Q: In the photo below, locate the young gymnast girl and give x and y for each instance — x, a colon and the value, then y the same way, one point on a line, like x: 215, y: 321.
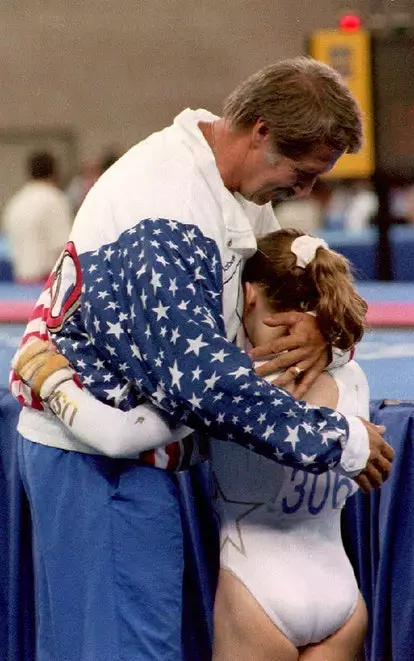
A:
x: 286, y: 589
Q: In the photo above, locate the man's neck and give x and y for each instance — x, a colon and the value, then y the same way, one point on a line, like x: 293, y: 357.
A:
x: 229, y: 150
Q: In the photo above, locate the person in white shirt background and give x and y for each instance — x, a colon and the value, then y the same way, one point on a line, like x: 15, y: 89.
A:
x: 37, y: 221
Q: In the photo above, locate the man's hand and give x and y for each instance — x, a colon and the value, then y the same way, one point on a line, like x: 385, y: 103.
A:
x: 305, y: 352
x: 380, y: 458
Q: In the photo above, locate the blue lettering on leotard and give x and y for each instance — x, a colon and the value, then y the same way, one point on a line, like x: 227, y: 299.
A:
x: 299, y: 489
x: 299, y: 496
x: 340, y: 482
x: 315, y: 509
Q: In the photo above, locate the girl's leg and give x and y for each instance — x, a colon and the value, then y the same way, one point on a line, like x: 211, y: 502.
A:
x: 346, y: 644
x: 242, y: 630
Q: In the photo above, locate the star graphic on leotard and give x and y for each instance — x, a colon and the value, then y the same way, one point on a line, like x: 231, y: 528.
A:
x: 246, y: 507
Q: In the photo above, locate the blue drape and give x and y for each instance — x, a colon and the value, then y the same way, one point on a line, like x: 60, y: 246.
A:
x: 378, y: 533
x: 16, y: 574
x: 201, y: 561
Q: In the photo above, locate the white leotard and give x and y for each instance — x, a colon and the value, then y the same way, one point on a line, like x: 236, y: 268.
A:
x: 280, y: 530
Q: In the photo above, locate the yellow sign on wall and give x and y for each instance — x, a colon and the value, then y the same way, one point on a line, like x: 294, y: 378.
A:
x: 349, y: 53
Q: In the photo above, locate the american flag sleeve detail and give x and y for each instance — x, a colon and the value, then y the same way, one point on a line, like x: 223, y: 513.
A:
x: 152, y: 307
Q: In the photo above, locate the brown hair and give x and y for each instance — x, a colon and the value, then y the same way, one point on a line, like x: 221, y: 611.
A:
x: 41, y: 165
x: 325, y: 286
x: 303, y: 102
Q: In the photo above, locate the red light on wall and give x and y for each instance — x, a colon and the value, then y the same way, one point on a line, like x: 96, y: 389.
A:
x: 350, y: 23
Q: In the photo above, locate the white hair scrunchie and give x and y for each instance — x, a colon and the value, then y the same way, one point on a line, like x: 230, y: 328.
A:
x: 305, y: 247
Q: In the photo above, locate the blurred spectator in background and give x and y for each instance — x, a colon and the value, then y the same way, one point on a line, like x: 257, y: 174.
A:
x: 82, y: 182
x: 306, y: 214
x: 402, y: 203
x: 409, y: 204
x: 37, y: 221
x: 352, y: 207
x: 348, y: 206
x: 110, y: 156
x: 90, y: 172
x: 363, y: 206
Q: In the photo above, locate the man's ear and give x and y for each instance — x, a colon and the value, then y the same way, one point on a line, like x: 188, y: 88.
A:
x: 250, y: 296
x: 260, y: 133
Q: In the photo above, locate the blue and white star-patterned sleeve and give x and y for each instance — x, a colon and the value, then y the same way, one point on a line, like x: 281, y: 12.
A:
x: 152, y: 305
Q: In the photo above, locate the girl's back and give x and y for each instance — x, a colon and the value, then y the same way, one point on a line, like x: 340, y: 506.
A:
x: 280, y: 527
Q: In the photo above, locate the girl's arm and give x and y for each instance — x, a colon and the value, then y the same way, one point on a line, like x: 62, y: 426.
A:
x: 103, y: 428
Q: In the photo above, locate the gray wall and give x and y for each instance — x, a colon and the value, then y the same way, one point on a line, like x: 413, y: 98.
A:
x: 115, y: 70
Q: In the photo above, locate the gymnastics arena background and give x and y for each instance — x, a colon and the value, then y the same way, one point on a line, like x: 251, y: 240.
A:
x: 378, y: 529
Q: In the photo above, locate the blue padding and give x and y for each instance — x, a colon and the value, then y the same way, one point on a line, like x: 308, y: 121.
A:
x: 360, y: 248
x: 385, y: 292
x: 6, y: 268
x: 367, y: 237
x: 402, y: 252
x: 6, y: 271
x: 387, y: 358
x: 4, y: 248
x: 16, y: 292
